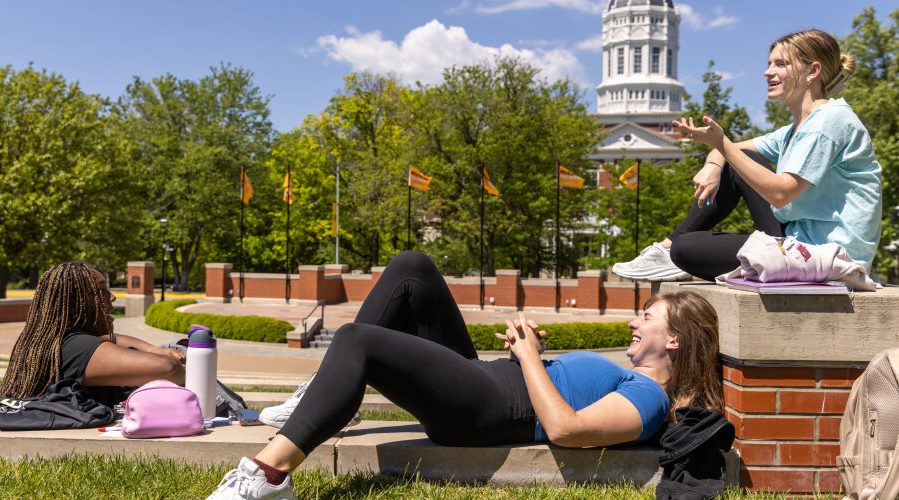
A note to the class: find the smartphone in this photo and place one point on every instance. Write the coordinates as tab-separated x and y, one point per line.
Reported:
246	417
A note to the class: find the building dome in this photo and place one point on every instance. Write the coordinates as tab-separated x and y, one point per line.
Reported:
615	4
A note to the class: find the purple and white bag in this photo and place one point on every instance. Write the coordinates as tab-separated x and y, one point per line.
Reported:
162	409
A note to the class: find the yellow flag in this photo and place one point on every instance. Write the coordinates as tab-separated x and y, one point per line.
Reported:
567	178
334	219
246	189
629	177
288	189
418	180
488	186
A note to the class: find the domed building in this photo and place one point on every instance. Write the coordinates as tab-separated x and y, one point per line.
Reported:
639	94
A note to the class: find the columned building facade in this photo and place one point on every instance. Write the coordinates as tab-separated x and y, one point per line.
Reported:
639	94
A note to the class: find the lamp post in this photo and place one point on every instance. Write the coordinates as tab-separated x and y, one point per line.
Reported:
165	224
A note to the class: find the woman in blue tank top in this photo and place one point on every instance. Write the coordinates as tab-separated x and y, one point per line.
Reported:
410	343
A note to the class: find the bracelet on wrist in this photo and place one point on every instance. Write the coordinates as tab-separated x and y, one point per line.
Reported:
716	164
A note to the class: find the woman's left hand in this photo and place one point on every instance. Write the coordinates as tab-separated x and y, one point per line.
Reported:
173	353
712	134
523	336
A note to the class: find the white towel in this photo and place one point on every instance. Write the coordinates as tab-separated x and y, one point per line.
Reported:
766	258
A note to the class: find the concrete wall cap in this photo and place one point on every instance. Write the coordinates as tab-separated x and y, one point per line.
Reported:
590	273
219	265
141	263
267	276
15	300
547	282
311	268
347	276
469	280
508	272
378	269
342	267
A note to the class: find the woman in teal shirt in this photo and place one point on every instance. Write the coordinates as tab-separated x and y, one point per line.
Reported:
826	187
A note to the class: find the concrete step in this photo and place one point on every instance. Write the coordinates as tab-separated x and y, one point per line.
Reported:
325	336
320	343
370	402
393	448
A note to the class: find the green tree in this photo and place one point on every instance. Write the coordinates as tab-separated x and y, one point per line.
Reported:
66	186
191	139
873	92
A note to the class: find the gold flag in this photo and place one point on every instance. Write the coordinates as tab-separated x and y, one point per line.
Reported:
288	189
334	219
418	180
567	178
488	186
629	177
246	189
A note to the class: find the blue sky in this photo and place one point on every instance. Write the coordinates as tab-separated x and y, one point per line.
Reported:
300	51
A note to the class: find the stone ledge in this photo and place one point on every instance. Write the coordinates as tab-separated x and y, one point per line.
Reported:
393	448
778	329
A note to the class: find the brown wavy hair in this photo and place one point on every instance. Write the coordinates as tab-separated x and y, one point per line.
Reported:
696	369
70	297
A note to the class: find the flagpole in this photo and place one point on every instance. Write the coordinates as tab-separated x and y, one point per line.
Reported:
481	255
409	211
243	175
288	194
637	240
558	241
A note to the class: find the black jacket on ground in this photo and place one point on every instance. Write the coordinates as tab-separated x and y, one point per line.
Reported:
692	457
64	405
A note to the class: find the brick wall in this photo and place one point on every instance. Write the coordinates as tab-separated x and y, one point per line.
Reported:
14	310
787	423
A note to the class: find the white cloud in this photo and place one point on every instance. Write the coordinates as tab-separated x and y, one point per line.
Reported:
697	21
499	6
426	50
728	75
593	44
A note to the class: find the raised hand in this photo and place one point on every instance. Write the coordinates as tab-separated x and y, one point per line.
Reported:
711	134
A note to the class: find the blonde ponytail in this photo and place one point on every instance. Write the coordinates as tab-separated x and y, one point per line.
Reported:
838	82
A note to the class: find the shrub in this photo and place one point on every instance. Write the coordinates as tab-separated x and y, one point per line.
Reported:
561	336
164	315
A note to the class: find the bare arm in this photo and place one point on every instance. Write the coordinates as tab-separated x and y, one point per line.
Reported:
708	179
611	420
777	189
115	365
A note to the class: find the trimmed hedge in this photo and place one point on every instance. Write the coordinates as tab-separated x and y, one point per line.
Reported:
561	336
163	315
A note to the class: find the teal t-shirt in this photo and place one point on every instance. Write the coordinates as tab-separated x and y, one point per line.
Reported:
832	150
584	378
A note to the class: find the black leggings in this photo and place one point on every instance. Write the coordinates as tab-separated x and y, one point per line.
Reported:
705	254
409	342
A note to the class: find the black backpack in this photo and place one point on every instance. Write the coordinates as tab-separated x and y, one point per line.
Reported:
64	405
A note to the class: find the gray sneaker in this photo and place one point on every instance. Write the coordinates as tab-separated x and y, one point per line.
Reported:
247	481
275	416
653	264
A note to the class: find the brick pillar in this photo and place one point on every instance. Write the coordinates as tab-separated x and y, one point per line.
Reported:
336	269
219	286
788	424
376	274
311	282
140	288
589	289
509	291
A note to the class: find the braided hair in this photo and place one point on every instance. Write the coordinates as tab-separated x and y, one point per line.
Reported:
70	297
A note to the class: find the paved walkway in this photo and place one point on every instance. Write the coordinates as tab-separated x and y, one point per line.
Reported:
258	363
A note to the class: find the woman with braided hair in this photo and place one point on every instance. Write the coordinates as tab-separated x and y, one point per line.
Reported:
68	334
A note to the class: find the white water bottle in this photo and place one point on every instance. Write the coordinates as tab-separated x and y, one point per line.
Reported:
201	369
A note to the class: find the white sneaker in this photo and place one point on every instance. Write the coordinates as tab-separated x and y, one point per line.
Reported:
247	481
276	416
653	264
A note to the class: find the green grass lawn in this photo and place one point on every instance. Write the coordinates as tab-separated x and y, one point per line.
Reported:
91	477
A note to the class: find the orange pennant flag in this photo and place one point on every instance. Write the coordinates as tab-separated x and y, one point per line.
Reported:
418	180
334	219
488	186
288	189
629	178
246	189
567	178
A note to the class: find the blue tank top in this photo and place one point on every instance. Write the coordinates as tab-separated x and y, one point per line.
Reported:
583	378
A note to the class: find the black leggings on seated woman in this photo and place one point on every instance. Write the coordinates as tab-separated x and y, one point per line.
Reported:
410	343
706	254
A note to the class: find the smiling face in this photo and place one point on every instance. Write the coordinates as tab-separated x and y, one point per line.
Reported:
651	339
788	77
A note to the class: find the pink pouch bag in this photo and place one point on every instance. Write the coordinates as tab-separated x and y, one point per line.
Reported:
162	409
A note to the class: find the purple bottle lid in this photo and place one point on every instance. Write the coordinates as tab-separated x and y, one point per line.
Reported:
194	328
203	339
